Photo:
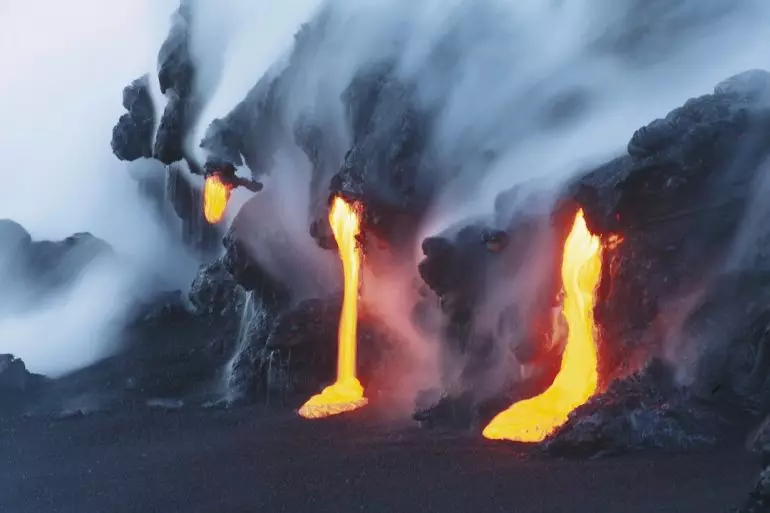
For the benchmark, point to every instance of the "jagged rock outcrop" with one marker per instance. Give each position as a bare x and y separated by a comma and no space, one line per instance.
32,270
758,500
132,136
384,166
668,278
18,386
176,76
699,166
647,410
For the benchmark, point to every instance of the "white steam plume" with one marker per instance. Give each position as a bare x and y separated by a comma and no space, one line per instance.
65,65
524,89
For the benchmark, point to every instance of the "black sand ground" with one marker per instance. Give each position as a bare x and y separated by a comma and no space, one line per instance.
252,460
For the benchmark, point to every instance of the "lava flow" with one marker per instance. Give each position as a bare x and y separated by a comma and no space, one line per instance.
346,394
532,420
216,193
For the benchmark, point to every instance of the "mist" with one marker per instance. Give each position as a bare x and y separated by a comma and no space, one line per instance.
522,90
66,64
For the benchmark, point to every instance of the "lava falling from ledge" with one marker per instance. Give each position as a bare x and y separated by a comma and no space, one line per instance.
346,394
532,420
216,194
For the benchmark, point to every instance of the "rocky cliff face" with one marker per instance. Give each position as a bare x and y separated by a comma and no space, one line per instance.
679,197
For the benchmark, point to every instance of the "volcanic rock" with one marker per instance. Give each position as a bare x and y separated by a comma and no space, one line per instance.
300,353
696,167
254,130
176,76
646,410
384,167
187,202
132,136
17,385
31,270
759,498
174,348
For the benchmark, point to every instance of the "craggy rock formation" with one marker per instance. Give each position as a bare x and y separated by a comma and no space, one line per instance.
697,167
31,269
647,410
187,202
176,75
133,135
758,500
668,279
17,385
384,166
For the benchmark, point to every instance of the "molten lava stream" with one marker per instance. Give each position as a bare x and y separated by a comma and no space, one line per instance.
532,420
346,394
216,193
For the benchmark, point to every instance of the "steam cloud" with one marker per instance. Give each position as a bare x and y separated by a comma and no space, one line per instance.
65,66
525,90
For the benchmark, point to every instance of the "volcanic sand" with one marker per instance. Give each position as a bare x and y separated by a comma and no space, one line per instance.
258,460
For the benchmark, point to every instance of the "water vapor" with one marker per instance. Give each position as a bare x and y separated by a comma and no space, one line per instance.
66,64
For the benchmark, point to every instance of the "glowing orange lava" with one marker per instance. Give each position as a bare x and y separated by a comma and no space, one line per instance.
216,193
532,420
346,394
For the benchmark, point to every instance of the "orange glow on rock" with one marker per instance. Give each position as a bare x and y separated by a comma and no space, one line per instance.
613,241
534,419
346,394
216,194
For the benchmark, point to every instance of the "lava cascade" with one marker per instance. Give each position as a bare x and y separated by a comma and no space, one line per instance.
216,194
534,419
346,394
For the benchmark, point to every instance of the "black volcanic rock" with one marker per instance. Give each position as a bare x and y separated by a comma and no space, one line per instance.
249,130
257,126
697,167
19,388
666,278
187,202
176,75
758,499
33,269
384,167
300,352
133,134
646,410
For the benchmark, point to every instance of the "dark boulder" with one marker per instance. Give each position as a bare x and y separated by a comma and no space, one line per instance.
385,167
18,387
697,167
132,136
647,410
758,499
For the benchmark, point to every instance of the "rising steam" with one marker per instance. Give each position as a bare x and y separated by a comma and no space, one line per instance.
66,64
522,90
